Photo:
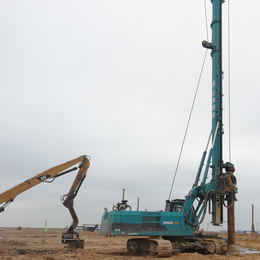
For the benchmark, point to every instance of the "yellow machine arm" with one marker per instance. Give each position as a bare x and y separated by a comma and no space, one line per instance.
68,200
8,196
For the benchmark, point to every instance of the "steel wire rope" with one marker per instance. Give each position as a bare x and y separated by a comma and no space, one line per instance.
206,20
229,97
229,85
192,106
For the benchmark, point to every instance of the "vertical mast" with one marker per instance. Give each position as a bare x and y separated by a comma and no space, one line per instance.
217,87
221,183
216,54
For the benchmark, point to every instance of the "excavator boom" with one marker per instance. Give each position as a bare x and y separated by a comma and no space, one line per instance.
9,195
68,200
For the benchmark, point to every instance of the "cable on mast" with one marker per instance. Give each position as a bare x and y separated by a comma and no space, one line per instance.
194,99
229,85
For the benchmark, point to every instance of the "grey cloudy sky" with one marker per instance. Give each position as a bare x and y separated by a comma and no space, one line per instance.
115,80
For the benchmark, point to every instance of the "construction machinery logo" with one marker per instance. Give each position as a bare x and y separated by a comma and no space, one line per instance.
43,178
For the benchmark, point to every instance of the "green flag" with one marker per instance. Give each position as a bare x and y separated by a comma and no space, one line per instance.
45,230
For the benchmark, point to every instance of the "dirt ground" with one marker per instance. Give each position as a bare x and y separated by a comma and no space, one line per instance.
36,244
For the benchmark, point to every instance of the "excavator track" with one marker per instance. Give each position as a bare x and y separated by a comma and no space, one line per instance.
221,247
214,244
160,247
201,245
145,246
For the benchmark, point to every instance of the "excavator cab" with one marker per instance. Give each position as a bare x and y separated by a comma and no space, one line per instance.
174,205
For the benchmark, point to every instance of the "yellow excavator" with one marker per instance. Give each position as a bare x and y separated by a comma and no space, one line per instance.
70,236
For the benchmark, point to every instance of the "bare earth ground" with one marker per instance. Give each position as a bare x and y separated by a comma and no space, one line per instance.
35,244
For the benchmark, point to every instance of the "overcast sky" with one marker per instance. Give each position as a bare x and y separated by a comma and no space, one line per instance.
115,80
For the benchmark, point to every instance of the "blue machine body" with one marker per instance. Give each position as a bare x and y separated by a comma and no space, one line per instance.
144,223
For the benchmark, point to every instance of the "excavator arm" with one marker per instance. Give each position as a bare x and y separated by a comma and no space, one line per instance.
68,200
8,196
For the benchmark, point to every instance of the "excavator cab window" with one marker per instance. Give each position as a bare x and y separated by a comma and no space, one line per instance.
174,205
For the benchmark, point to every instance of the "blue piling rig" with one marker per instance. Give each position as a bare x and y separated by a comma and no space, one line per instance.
182,217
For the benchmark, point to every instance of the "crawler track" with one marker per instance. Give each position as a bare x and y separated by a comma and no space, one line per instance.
145,246
201,245
164,248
